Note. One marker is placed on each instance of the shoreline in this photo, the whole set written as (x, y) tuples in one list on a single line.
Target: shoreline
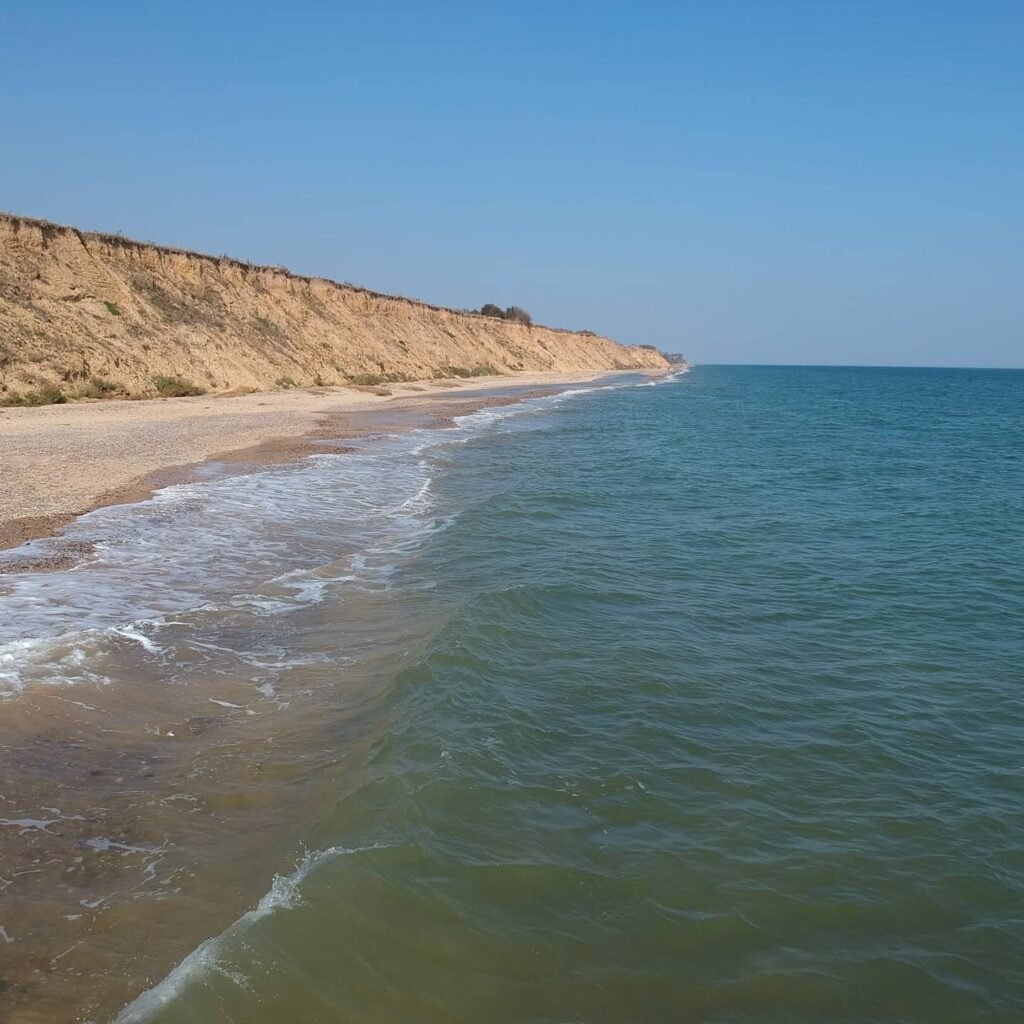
[(161, 718), (63, 461)]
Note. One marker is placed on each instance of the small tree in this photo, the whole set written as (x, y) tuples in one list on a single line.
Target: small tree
[(490, 309), (518, 315)]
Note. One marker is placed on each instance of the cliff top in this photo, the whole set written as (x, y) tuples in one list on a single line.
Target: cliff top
[(49, 229)]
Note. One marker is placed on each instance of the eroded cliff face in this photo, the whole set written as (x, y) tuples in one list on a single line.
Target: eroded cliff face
[(76, 305)]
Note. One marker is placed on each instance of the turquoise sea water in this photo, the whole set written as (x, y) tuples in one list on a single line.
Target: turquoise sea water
[(724, 723), (707, 706)]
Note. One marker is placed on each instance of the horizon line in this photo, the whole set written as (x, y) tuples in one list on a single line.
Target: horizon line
[(858, 366)]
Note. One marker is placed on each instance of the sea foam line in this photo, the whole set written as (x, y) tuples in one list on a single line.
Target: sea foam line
[(667, 379), (284, 894), (42, 657)]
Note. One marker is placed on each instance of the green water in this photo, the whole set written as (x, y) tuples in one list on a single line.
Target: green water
[(723, 722)]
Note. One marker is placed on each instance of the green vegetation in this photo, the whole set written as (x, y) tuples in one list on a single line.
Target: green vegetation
[(204, 307), (372, 379), (98, 387), (285, 382), (112, 308), (514, 313), (160, 300), (483, 370), (176, 387), (266, 327), (48, 394)]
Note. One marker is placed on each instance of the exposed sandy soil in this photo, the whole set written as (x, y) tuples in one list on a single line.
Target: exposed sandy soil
[(77, 305)]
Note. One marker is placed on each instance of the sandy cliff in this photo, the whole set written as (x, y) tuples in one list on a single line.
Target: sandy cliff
[(76, 305)]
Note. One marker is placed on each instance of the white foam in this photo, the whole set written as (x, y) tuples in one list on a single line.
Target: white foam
[(284, 894), (62, 816), (229, 535), (141, 639), (229, 547), (667, 379), (65, 659), (103, 845), (29, 824)]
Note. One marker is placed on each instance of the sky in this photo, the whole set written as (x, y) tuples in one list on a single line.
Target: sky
[(752, 182)]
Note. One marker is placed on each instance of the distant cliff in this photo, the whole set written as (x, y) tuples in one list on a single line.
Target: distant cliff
[(77, 306)]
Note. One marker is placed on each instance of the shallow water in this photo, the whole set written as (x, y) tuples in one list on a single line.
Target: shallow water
[(698, 701)]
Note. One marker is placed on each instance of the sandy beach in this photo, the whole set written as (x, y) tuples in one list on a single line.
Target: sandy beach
[(61, 461)]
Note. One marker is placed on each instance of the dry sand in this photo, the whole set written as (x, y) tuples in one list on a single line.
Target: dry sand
[(57, 462)]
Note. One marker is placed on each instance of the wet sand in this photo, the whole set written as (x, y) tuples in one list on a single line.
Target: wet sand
[(59, 462), (138, 821)]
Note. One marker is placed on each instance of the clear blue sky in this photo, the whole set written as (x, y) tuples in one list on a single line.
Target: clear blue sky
[(820, 182)]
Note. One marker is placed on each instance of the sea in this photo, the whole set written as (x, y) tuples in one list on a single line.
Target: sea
[(697, 699)]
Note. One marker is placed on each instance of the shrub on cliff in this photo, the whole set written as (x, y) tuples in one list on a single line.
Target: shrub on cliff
[(516, 314), (481, 370), (48, 394), (99, 387), (176, 387), (371, 379)]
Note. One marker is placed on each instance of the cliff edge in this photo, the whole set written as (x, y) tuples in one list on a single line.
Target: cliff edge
[(76, 306)]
